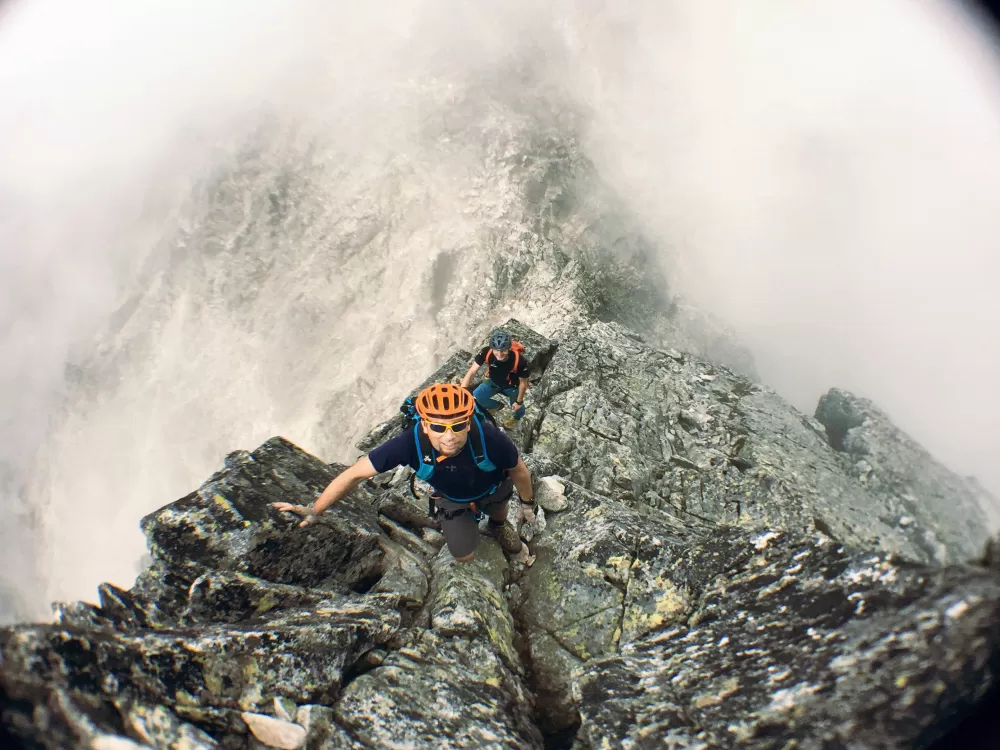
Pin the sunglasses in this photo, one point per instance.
(453, 426)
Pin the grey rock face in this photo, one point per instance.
(835, 649)
(708, 570)
(706, 445)
(934, 507)
(458, 682)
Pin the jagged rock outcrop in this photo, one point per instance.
(709, 446)
(914, 488)
(709, 571)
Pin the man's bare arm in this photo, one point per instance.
(522, 386)
(467, 379)
(341, 485)
(522, 480)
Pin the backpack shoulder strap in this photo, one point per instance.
(425, 453)
(518, 348)
(484, 416)
(477, 440)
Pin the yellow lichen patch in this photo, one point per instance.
(621, 565)
(266, 603)
(250, 669)
(594, 512)
(593, 571)
(551, 584)
(251, 698)
(636, 622)
(727, 688)
(223, 503)
(213, 683)
(741, 731)
(572, 640)
(493, 681)
(671, 603)
(668, 606)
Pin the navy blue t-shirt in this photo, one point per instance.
(456, 477)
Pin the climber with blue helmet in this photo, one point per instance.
(508, 373)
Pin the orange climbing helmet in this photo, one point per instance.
(445, 401)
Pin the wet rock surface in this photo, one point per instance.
(708, 569)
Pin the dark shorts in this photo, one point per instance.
(461, 531)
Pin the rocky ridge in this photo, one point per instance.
(710, 568)
(480, 203)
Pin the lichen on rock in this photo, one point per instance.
(708, 569)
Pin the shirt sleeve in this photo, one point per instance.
(501, 448)
(481, 357)
(523, 367)
(397, 451)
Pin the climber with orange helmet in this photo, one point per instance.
(472, 466)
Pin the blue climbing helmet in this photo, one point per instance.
(500, 340)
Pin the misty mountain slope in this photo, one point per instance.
(493, 207)
(648, 613)
(888, 462)
(832, 207)
(305, 281)
(705, 444)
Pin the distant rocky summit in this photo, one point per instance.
(710, 568)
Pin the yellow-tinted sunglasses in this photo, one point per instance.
(441, 427)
